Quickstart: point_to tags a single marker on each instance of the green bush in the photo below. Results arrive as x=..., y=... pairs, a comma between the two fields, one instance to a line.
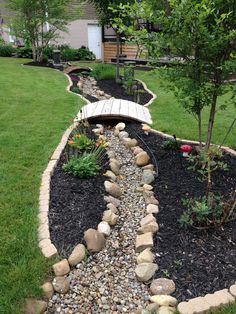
x=6, y=50
x=24, y=52
x=81, y=141
x=171, y=144
x=2, y=42
x=84, y=166
x=84, y=53
x=103, y=72
x=68, y=54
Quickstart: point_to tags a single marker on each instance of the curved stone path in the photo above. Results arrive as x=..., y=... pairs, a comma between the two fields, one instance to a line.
x=106, y=282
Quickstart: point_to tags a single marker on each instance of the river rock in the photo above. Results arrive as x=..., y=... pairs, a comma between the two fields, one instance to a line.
x=147, y=220
x=144, y=241
x=147, y=187
x=152, y=209
x=103, y=227
x=61, y=268
x=145, y=256
x=33, y=306
x=110, y=217
x=120, y=126
x=110, y=175
x=142, y=159
x=111, y=154
x=95, y=240
x=128, y=142
x=162, y=286
x=164, y=300
x=115, y=161
x=113, y=200
x=152, y=227
x=114, y=168
x=61, y=284
x=145, y=271
x=148, y=177
x=48, y=290
x=148, y=167
x=123, y=134
x=166, y=310
x=77, y=255
x=113, y=189
x=112, y=207
x=137, y=150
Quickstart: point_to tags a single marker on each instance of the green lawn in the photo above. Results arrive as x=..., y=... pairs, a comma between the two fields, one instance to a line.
x=35, y=109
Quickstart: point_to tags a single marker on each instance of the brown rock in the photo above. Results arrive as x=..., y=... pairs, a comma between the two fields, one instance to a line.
x=145, y=271
x=152, y=227
x=145, y=256
x=112, y=200
x=147, y=220
x=144, y=241
x=114, y=168
x=33, y=306
x=115, y=161
x=95, y=240
x=162, y=286
x=110, y=217
x=113, y=189
x=61, y=284
x=137, y=150
x=48, y=290
x=153, y=308
x=61, y=268
x=112, y=207
x=77, y=255
x=148, y=167
x=151, y=200
x=142, y=159
x=128, y=142
x=110, y=175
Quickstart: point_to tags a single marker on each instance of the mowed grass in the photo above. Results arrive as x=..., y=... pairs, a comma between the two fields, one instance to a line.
x=35, y=109
x=170, y=117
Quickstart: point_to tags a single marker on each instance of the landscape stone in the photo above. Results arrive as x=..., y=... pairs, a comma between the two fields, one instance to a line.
x=112, y=207
x=142, y=159
x=200, y=305
x=113, y=189
x=111, y=154
x=123, y=134
x=137, y=150
x=116, y=132
x=151, y=200
x=144, y=241
x=128, y=142
x=114, y=168
x=61, y=268
x=110, y=217
x=110, y=175
x=145, y=256
x=103, y=227
x=163, y=300
x=77, y=255
x=112, y=200
x=213, y=301
x=33, y=306
x=61, y=284
x=95, y=240
x=224, y=296
x=147, y=220
x=120, y=126
x=153, y=308
x=166, y=310
x=145, y=271
x=162, y=286
x=115, y=161
x=152, y=227
x=148, y=167
x=49, y=251
x=147, y=187
x=185, y=308
x=148, y=177
x=232, y=290
x=152, y=209
x=48, y=290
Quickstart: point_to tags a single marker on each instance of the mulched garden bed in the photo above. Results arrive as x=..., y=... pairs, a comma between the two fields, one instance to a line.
x=75, y=205
x=117, y=91
x=199, y=262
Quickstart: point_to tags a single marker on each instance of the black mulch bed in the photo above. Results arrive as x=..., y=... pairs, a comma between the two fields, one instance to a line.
x=199, y=262
x=115, y=90
x=39, y=64
x=75, y=205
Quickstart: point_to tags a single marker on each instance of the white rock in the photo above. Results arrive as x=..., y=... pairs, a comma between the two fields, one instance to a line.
x=145, y=271
x=152, y=209
x=120, y=126
x=164, y=300
x=145, y=256
x=103, y=227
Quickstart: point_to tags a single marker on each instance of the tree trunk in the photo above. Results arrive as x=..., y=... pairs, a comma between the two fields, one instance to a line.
x=200, y=129
x=34, y=52
x=117, y=57
x=211, y=120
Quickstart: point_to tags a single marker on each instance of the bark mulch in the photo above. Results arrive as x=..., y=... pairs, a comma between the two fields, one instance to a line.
x=75, y=206
x=199, y=261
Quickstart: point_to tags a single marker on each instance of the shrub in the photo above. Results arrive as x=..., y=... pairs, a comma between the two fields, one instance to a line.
x=75, y=89
x=103, y=72
x=6, y=50
x=68, y=54
x=171, y=144
x=128, y=80
x=81, y=142
x=84, y=53
x=84, y=166
x=24, y=52
x=2, y=42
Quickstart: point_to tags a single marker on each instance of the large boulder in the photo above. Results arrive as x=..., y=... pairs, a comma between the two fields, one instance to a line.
x=95, y=240
x=77, y=255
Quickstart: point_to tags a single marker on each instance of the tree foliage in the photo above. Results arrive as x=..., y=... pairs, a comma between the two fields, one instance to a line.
x=38, y=22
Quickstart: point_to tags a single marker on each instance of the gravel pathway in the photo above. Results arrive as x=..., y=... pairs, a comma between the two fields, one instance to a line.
x=106, y=282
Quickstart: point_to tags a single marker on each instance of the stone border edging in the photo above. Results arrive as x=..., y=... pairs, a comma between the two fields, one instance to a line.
x=154, y=96
x=69, y=91
x=224, y=148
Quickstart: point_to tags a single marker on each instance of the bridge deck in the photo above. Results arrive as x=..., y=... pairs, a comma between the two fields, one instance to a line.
x=115, y=108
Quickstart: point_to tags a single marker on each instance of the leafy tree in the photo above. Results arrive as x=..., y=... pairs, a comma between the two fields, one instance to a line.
x=38, y=22
x=202, y=34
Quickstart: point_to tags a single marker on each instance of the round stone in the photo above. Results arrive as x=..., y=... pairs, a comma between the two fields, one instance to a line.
x=162, y=286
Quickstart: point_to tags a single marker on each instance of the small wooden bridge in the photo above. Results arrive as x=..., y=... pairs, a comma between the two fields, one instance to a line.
x=115, y=109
